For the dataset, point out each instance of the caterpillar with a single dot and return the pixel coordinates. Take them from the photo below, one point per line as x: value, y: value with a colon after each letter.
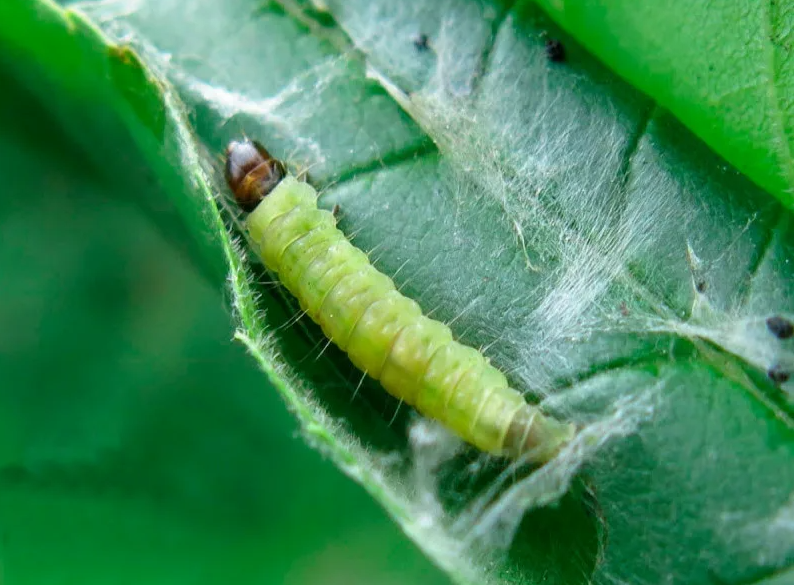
x: 415, y: 358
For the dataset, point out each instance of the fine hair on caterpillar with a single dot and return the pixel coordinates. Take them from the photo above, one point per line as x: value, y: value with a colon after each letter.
x: 385, y: 334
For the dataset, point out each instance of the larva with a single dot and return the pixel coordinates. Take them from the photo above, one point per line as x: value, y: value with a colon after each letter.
x: 384, y: 333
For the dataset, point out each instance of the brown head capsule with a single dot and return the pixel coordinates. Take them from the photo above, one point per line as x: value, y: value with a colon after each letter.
x: 251, y: 172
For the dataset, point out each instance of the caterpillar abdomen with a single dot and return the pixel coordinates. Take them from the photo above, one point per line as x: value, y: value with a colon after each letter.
x: 384, y: 333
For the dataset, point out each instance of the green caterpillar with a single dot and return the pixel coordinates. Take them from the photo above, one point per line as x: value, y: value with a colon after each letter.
x: 384, y: 333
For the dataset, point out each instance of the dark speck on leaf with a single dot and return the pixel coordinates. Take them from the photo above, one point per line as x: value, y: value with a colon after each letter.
x: 780, y: 327
x: 421, y: 42
x: 555, y: 51
x: 701, y: 286
x: 778, y: 375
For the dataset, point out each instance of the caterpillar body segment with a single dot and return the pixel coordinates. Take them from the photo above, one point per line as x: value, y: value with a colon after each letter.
x: 385, y: 334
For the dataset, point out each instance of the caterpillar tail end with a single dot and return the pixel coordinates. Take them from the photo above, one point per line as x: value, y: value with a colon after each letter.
x: 538, y: 438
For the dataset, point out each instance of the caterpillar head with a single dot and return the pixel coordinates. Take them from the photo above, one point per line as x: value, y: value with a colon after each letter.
x: 251, y: 172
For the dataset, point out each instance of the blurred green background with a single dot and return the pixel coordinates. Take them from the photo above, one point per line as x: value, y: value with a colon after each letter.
x: 138, y: 443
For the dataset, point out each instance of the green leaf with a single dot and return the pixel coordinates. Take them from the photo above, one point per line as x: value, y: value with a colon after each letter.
x: 611, y: 264
x: 132, y: 427
x: 726, y: 70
